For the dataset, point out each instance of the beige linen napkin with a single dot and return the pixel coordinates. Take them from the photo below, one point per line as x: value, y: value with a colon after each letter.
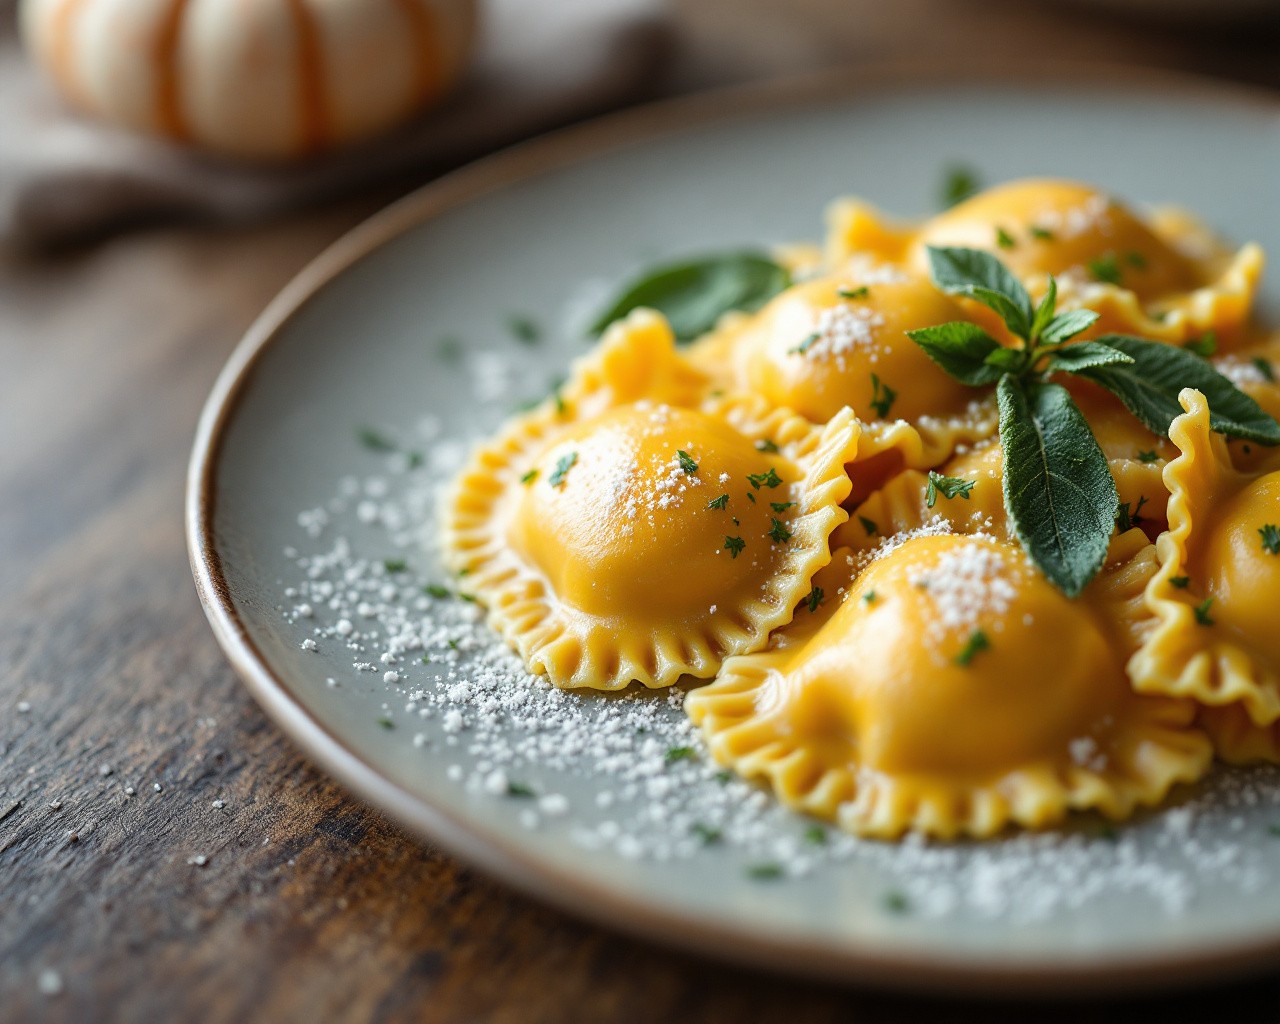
x: 540, y: 63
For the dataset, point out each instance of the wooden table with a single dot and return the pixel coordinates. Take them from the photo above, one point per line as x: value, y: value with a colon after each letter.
x: 128, y: 750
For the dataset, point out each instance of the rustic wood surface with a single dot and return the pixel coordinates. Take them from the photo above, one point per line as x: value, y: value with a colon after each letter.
x: 128, y: 750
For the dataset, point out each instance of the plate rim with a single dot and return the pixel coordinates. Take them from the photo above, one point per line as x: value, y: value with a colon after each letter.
x: 489, y: 850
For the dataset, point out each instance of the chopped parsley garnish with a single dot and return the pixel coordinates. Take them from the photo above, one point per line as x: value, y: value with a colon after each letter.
x: 1264, y: 367
x: 1040, y: 234
x: 1148, y: 456
x: 374, y: 441
x: 680, y: 754
x: 706, y: 833
x: 853, y: 293
x: 958, y: 184
x: 686, y: 462
x: 1270, y: 538
x: 1181, y: 582
x: 869, y: 525
x: 437, y: 591
x: 882, y: 397
x: 1108, y: 833
x: 1204, y: 346
x: 814, y: 599
x: 524, y: 329
x: 1136, y: 260
x: 1105, y: 269
x: 453, y: 643
x: 815, y: 834
x: 769, y: 479
x: 469, y: 598
x: 426, y: 659
x: 765, y: 445
x: 395, y: 564
x: 734, y: 545
x: 765, y: 872
x: 1004, y: 239
x: 415, y: 460
x: 948, y: 486
x: 869, y: 597
x: 529, y: 477
x: 896, y: 902
x: 778, y: 532
x: 561, y: 408
x: 805, y: 345
x: 386, y: 722
x: 1127, y: 520
x: 721, y: 502
x: 563, y: 465
x: 1202, y: 612
x: 976, y: 644
x: 519, y: 789
x: 781, y: 506
x: 723, y: 776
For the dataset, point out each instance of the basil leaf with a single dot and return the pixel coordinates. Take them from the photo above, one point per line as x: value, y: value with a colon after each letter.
x: 1084, y: 355
x: 694, y: 294
x: 1066, y: 326
x: 1044, y: 311
x: 1149, y: 388
x: 961, y: 349
x: 1058, y: 491
x: 977, y: 274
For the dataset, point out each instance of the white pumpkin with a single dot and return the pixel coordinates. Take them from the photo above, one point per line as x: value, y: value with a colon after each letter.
x: 270, y: 79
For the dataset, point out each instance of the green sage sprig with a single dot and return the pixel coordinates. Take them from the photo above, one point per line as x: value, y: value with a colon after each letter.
x: 1058, y: 490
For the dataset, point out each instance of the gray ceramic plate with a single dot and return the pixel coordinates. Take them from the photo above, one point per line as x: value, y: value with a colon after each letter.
x: 404, y: 326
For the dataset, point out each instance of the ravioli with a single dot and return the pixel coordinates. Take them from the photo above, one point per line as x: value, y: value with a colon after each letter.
x: 954, y: 691
x: 1166, y: 277
x: 639, y: 539
x: 1215, y: 595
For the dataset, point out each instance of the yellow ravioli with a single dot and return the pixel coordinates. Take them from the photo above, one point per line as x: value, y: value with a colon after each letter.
x: 630, y: 538
x: 1215, y: 595
x: 954, y: 691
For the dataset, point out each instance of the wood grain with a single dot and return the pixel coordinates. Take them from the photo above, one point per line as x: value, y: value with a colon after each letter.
x: 308, y: 907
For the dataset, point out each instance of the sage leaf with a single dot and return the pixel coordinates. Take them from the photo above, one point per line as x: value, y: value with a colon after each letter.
x: 1066, y: 326
x: 1149, y: 388
x: 976, y: 274
x: 694, y: 294
x: 1058, y: 491
x: 1085, y: 355
x: 1044, y: 311
x: 961, y: 349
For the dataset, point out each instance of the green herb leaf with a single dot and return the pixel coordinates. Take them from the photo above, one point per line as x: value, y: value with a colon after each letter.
x: 437, y: 591
x: 1067, y: 325
x: 1149, y: 457
x: 1040, y: 234
x: 680, y: 754
x: 805, y: 345
x: 815, y: 598
x: 896, y: 902
x: 778, y: 531
x: 882, y: 397
x: 686, y: 462
x: 816, y: 834
x: 781, y: 506
x: 375, y: 441
x: 1203, y: 346
x: 694, y: 294
x: 765, y: 872
x: 706, y: 833
x: 769, y: 479
x: 869, y: 597
x: 1136, y: 259
x: 563, y: 465
x: 1044, y: 312
x: 734, y: 545
x: 1127, y: 520
x: 949, y: 486
x: 1202, y: 612
x: 721, y: 502
x: 958, y: 184
x: 723, y: 777
x: 1105, y: 269
x: 1264, y: 367
x: 853, y: 293
x: 1270, y: 535
x: 524, y: 328
x: 1149, y: 388
x: 977, y: 643
x: 386, y: 722
x: 765, y: 445
x: 1181, y: 582
x: 529, y: 477
x: 1058, y: 489
x: 869, y: 525
x: 961, y: 349
x: 394, y: 565
x: 1084, y: 355
x: 1004, y: 239
x: 976, y: 274
x: 519, y: 789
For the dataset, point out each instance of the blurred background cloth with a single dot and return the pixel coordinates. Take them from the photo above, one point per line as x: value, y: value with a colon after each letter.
x: 544, y: 63
x: 539, y: 64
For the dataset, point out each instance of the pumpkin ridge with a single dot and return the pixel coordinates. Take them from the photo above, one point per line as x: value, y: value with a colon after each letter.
x: 169, y: 114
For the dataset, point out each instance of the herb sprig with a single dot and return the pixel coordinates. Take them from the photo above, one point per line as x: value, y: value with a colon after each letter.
x: 1058, y: 490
